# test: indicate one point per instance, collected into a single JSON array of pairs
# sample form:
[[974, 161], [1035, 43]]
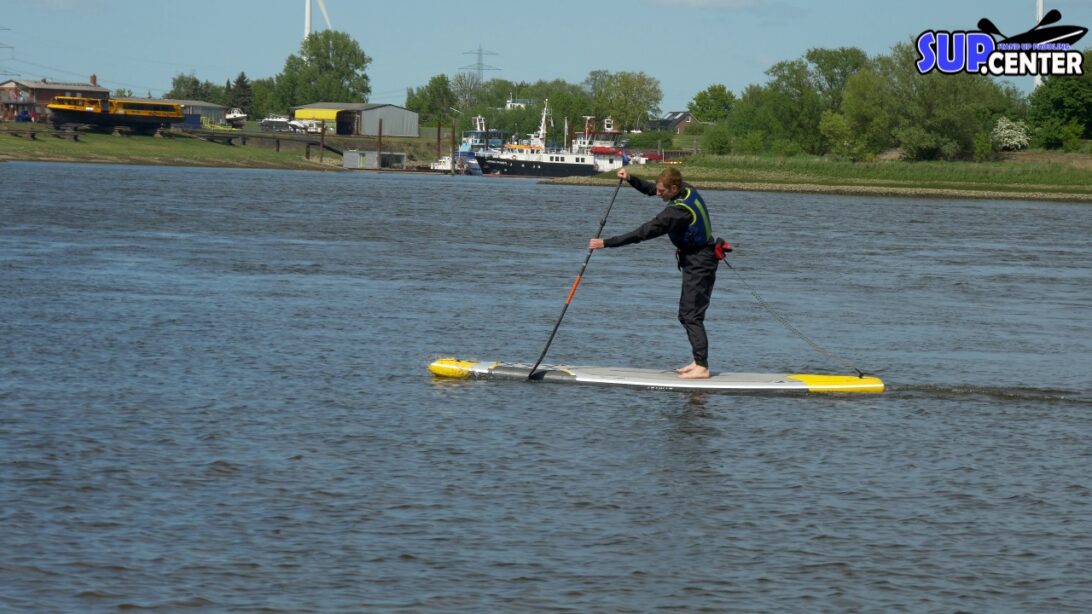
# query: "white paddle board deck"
[[658, 380]]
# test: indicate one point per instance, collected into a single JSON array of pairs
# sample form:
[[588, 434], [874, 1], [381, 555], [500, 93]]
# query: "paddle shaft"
[[576, 283]]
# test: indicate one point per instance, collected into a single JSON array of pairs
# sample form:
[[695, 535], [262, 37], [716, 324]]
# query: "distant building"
[[200, 113], [18, 96], [397, 121], [362, 118], [677, 121], [516, 103]]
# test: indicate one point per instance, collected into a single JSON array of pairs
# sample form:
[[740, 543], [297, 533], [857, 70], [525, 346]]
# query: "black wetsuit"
[[698, 265]]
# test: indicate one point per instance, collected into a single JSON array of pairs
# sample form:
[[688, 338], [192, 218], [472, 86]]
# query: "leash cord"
[[815, 346]]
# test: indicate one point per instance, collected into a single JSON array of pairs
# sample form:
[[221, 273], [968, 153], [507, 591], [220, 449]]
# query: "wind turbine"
[[1038, 19], [307, 17]]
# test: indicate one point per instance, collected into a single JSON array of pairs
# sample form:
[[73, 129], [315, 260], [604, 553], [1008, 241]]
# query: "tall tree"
[[216, 94], [797, 104], [187, 87], [567, 102], [870, 111], [635, 98], [712, 104], [467, 89], [598, 84], [330, 67], [830, 69], [264, 99], [241, 94], [433, 100], [753, 122], [938, 116], [496, 91], [631, 98], [1064, 99]]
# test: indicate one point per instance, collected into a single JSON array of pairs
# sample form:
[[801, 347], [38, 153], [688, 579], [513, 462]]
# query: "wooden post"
[[322, 142], [379, 146], [453, 148]]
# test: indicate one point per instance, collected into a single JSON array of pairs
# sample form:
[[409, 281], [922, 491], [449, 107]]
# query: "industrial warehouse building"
[[362, 118], [199, 113]]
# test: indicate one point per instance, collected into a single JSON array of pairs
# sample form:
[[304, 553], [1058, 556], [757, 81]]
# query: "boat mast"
[[542, 124]]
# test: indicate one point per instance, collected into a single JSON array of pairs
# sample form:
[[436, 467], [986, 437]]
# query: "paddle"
[[572, 291], [1052, 16], [985, 25]]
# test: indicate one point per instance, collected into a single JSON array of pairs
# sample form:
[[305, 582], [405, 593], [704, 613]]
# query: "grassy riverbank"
[[185, 150], [1024, 175], [170, 151]]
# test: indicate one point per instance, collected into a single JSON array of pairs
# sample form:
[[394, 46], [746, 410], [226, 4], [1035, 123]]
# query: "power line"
[[84, 76], [479, 66], [4, 69], [386, 94]]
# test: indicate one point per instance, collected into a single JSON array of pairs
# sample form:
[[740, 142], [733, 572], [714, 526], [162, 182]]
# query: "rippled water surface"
[[213, 394]]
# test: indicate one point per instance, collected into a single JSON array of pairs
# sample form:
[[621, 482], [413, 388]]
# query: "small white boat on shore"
[[275, 123], [462, 165], [235, 118], [443, 165]]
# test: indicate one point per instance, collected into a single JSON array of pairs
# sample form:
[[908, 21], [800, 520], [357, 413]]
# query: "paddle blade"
[[1052, 16], [985, 25]]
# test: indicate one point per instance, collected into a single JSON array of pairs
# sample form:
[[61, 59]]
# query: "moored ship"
[[143, 116], [591, 153]]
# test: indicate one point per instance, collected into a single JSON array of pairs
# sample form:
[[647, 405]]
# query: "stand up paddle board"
[[658, 380]]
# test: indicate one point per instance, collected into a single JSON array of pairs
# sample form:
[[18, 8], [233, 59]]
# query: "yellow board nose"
[[451, 367], [839, 383]]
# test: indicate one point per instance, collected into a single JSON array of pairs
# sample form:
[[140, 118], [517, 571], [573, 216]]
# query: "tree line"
[[330, 66], [631, 99], [838, 102], [843, 103]]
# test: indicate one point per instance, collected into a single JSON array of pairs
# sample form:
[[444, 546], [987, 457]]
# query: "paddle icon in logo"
[[1057, 35]]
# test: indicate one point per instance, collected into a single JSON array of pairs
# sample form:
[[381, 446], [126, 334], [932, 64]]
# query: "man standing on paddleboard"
[[685, 220]]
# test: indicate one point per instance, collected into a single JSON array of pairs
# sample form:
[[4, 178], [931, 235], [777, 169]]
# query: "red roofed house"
[[677, 121], [17, 96]]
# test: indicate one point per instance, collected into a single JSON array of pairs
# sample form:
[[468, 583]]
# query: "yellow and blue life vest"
[[700, 231]]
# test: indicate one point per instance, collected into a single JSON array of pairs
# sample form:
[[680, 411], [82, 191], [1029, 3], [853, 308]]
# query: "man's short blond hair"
[[670, 177]]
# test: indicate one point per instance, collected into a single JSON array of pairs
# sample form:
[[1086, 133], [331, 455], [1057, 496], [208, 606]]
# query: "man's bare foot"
[[687, 369], [696, 373]]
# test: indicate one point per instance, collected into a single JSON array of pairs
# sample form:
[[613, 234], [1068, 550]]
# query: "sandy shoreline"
[[854, 190], [802, 188], [301, 165]]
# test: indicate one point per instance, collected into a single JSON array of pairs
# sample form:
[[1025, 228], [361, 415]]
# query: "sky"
[[687, 45]]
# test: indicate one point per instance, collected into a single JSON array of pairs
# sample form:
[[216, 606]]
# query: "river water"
[[213, 394]]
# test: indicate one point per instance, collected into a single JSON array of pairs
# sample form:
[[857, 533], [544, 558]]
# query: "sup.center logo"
[[1043, 50]]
